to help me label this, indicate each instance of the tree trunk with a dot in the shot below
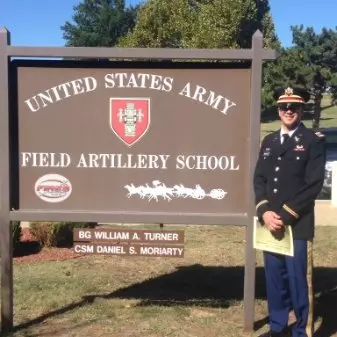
(317, 112)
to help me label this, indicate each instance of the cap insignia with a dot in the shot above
(289, 91)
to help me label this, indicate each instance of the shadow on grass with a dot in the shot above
(327, 107)
(211, 287)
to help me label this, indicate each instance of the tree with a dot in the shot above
(201, 24)
(99, 23)
(317, 50)
(288, 70)
(162, 24)
(311, 63)
(328, 57)
(231, 24)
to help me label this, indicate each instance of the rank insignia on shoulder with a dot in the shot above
(319, 134)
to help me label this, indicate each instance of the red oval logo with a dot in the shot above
(53, 188)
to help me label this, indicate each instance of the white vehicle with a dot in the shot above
(331, 156)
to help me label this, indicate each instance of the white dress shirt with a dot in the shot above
(290, 133)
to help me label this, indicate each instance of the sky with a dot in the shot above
(38, 22)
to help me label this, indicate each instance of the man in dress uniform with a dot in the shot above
(288, 177)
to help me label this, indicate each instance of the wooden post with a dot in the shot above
(254, 141)
(5, 225)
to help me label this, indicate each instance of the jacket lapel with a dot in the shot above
(281, 149)
(276, 144)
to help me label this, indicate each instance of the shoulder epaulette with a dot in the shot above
(319, 134)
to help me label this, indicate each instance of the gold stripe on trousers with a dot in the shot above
(310, 323)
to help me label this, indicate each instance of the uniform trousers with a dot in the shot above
(289, 286)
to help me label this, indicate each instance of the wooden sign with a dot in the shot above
(129, 242)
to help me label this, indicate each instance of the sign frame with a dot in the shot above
(256, 55)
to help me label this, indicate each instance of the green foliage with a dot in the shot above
(327, 58)
(16, 232)
(231, 24)
(310, 63)
(316, 57)
(99, 23)
(287, 70)
(162, 24)
(200, 24)
(55, 234)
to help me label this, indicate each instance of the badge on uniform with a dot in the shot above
(266, 152)
(299, 148)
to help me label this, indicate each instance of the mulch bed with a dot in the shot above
(28, 250)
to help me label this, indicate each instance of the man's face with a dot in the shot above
(290, 114)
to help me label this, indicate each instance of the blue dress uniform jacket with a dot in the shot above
(289, 177)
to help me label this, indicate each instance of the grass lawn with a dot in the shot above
(197, 296)
(328, 119)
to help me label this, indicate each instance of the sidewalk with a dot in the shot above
(326, 215)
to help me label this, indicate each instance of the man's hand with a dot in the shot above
(273, 221)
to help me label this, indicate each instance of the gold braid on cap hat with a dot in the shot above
(289, 97)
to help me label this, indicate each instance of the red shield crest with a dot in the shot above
(129, 118)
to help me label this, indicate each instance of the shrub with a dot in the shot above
(42, 232)
(16, 232)
(56, 234)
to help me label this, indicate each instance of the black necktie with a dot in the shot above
(285, 138)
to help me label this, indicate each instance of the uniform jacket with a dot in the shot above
(289, 177)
